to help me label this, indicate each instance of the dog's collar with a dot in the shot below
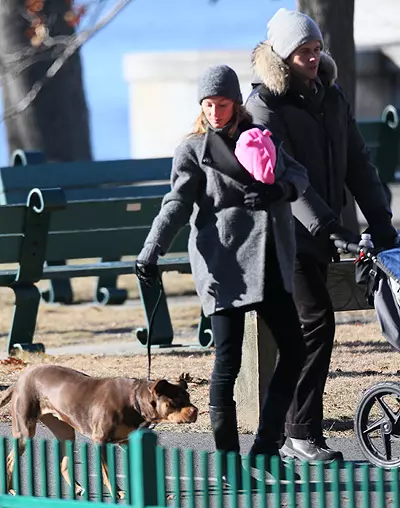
(135, 405)
(145, 424)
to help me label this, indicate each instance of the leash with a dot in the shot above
(150, 330)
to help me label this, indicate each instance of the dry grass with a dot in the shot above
(360, 358)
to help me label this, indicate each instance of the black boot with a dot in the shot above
(224, 427)
(226, 437)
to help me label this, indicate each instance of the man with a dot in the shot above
(295, 96)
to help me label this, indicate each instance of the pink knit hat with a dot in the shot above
(256, 152)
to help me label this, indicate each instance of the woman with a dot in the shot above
(241, 258)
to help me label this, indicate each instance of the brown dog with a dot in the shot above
(104, 409)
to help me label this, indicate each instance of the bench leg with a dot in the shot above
(27, 299)
(163, 333)
(60, 290)
(204, 333)
(106, 292)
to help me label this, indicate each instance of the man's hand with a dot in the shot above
(384, 237)
(338, 232)
(259, 195)
(147, 273)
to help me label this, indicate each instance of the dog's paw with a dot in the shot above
(120, 494)
(12, 492)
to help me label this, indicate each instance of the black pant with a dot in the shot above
(314, 306)
(279, 312)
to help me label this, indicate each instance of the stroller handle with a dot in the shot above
(341, 244)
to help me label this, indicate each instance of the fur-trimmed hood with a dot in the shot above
(271, 70)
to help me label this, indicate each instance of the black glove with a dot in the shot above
(383, 237)
(338, 232)
(147, 273)
(258, 195)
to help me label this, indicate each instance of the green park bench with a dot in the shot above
(100, 218)
(15, 190)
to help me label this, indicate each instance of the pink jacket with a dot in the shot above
(256, 152)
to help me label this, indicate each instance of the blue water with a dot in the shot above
(156, 25)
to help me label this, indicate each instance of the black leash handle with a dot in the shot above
(150, 330)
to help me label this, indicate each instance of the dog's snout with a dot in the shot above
(192, 412)
(187, 414)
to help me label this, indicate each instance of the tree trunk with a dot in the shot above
(336, 21)
(57, 121)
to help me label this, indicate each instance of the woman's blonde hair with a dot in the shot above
(240, 114)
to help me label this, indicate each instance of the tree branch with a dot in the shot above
(70, 49)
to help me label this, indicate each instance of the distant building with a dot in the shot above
(163, 95)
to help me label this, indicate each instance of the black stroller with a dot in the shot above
(377, 418)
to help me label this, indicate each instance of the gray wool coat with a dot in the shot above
(227, 242)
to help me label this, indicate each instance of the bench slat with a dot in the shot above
(75, 175)
(19, 196)
(180, 265)
(106, 214)
(12, 220)
(112, 268)
(107, 243)
(10, 248)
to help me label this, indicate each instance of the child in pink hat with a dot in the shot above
(256, 152)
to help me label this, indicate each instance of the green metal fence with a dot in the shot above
(152, 476)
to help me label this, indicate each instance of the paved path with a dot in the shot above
(204, 441)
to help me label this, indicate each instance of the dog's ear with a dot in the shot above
(159, 386)
(182, 383)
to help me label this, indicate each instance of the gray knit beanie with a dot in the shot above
(287, 30)
(219, 80)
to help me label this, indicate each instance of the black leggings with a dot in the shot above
(279, 312)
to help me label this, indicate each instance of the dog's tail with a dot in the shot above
(5, 396)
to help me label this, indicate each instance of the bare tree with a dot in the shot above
(41, 75)
(336, 20)
(56, 122)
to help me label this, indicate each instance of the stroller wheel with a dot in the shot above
(377, 424)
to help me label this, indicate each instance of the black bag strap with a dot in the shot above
(372, 283)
